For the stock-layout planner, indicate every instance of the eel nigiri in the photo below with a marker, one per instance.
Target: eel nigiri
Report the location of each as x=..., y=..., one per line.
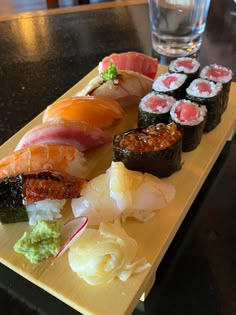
x=133, y=61
x=122, y=193
x=62, y=158
x=17, y=192
x=79, y=134
x=98, y=111
x=127, y=88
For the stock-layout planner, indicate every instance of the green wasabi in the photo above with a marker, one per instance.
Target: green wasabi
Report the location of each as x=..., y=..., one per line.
x=110, y=73
x=40, y=243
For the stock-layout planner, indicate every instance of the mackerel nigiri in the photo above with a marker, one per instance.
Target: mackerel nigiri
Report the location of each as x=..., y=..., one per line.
x=98, y=111
x=18, y=193
x=79, y=134
x=39, y=157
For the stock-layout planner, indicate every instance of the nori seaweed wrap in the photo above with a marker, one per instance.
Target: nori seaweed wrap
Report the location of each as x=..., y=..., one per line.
x=186, y=65
x=208, y=93
x=154, y=108
x=12, y=208
x=156, y=149
x=172, y=84
x=191, y=118
x=220, y=74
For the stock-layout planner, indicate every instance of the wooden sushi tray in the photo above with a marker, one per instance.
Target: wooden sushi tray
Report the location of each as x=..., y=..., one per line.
x=154, y=237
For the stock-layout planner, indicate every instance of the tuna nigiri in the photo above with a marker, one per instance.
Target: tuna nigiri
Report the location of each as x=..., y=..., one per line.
x=79, y=134
x=133, y=61
x=127, y=88
x=62, y=158
x=99, y=111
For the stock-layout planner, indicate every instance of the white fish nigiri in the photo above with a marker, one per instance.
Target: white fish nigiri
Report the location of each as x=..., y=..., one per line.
x=79, y=134
x=122, y=193
x=127, y=88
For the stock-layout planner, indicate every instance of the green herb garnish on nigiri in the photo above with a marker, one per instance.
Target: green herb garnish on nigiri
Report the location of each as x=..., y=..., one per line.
x=110, y=73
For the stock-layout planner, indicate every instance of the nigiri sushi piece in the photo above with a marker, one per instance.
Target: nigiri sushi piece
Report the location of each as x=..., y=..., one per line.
x=133, y=61
x=127, y=88
x=98, y=111
x=122, y=193
x=79, y=134
x=20, y=191
x=62, y=158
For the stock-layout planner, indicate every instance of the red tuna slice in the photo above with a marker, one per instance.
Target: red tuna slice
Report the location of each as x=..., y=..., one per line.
x=186, y=111
x=169, y=80
x=133, y=61
x=78, y=134
x=204, y=86
x=217, y=72
x=186, y=63
x=155, y=100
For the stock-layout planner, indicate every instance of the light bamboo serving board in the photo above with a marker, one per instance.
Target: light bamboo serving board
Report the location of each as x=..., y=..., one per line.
x=153, y=237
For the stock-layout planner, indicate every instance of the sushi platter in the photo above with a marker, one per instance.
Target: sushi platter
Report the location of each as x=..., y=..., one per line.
x=153, y=237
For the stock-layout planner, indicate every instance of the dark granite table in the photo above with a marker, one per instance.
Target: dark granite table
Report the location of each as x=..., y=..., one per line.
x=41, y=56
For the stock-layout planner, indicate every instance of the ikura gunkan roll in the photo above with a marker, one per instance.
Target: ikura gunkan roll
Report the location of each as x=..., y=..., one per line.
x=187, y=65
x=208, y=93
x=191, y=118
x=172, y=84
x=156, y=149
x=154, y=108
x=220, y=74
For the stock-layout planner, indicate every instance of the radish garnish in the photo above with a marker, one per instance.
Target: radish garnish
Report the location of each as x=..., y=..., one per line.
x=71, y=231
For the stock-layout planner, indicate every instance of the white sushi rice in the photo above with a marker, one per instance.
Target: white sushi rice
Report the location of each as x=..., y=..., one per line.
x=159, y=86
x=159, y=109
x=202, y=111
x=221, y=79
x=176, y=68
x=45, y=210
x=194, y=91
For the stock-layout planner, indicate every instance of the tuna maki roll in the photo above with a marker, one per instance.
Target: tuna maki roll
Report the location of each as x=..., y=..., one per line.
x=172, y=84
x=220, y=74
x=187, y=65
x=191, y=118
x=208, y=93
x=154, y=108
x=156, y=149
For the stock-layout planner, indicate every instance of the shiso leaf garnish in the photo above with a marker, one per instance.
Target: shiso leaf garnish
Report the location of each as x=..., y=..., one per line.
x=71, y=231
x=110, y=73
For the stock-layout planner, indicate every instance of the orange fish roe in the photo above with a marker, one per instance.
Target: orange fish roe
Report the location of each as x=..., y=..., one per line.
x=153, y=138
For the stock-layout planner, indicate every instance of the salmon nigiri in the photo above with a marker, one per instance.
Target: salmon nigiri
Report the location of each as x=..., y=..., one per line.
x=98, y=111
x=133, y=61
x=79, y=134
x=62, y=158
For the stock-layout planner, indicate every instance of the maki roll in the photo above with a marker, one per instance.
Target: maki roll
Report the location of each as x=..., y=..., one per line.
x=187, y=65
x=154, y=108
x=156, y=149
x=191, y=118
x=172, y=84
x=220, y=74
x=208, y=93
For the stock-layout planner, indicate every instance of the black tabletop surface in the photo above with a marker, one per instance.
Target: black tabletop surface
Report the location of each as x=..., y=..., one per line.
x=41, y=57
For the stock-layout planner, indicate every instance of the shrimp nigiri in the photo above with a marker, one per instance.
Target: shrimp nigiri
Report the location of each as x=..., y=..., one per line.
x=98, y=111
x=133, y=61
x=62, y=158
x=79, y=134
